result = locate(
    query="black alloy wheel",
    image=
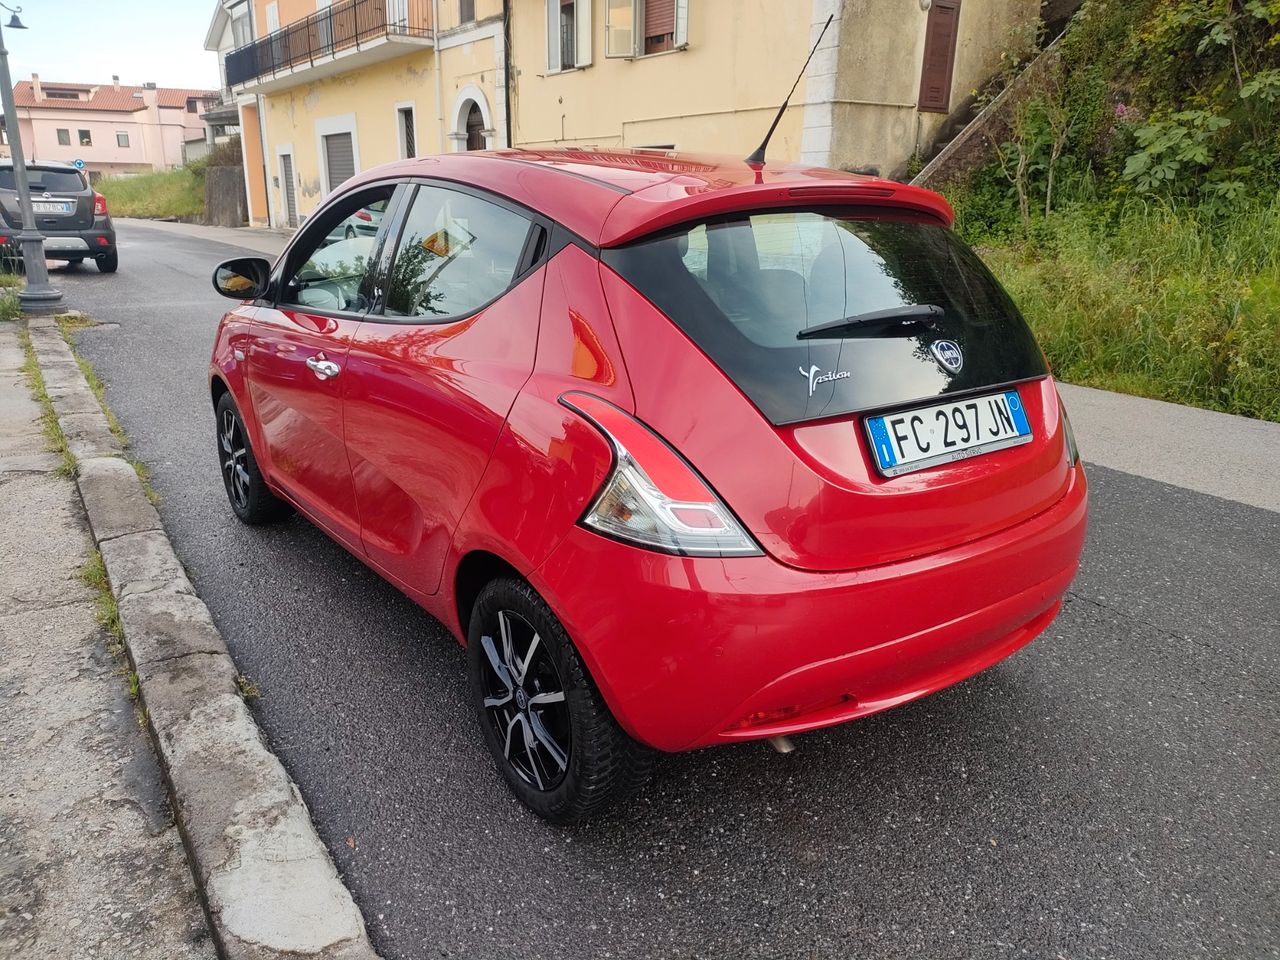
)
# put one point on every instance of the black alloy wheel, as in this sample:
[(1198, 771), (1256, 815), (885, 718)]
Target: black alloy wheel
[(251, 500), (544, 721)]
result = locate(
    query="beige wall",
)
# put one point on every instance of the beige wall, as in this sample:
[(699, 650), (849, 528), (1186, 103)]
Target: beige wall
[(719, 95)]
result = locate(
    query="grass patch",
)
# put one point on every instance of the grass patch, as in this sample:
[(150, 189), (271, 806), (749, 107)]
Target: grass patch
[(10, 281), (248, 689), (106, 611), (1159, 301), (173, 193), (10, 307), (53, 434), (144, 476)]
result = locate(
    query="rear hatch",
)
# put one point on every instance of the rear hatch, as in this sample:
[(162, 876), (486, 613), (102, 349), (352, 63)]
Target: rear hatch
[(908, 318), (59, 197)]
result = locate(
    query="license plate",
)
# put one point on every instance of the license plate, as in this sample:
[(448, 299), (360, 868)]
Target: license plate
[(946, 432), (51, 206)]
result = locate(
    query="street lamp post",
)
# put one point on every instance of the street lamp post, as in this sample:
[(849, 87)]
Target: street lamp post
[(38, 296)]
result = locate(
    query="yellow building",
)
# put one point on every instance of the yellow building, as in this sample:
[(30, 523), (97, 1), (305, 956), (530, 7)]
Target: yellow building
[(326, 88)]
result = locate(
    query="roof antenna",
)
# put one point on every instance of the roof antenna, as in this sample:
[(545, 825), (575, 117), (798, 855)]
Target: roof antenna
[(758, 156)]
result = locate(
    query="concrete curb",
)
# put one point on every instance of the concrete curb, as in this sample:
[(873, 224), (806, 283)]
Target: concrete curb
[(268, 883)]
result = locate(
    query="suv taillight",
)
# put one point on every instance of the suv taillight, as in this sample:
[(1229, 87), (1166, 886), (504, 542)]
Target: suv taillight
[(99, 205)]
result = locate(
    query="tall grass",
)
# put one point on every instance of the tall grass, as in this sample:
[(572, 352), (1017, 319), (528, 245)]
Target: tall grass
[(174, 193), (1168, 302)]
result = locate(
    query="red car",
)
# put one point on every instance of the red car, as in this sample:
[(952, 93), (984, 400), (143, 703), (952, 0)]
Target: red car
[(686, 450)]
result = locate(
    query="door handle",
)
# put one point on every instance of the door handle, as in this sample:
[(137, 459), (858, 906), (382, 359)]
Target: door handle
[(322, 368)]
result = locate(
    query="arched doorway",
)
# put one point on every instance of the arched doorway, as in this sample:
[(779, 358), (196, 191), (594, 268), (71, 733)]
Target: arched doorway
[(475, 128)]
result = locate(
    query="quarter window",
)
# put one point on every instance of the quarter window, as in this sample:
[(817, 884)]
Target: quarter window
[(457, 252)]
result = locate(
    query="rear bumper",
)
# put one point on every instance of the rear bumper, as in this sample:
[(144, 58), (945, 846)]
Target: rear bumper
[(93, 241), (690, 652)]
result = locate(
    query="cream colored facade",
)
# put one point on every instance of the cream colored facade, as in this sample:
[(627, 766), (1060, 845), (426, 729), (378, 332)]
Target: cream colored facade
[(714, 87)]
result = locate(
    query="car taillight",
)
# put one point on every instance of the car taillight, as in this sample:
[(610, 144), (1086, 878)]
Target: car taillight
[(99, 205), (364, 215), (653, 498)]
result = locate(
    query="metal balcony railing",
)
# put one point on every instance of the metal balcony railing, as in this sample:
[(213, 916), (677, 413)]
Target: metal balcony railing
[(345, 24)]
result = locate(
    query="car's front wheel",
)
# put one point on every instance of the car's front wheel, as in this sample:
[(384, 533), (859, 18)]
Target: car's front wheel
[(250, 498), (553, 738)]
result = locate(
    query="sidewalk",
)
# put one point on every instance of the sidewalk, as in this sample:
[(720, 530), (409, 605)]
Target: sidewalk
[(91, 864), (267, 242)]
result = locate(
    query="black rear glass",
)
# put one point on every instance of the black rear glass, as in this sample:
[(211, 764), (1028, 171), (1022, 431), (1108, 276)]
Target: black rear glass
[(744, 287), (44, 181)]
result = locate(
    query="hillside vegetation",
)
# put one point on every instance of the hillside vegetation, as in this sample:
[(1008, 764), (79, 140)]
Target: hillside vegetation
[(1134, 209)]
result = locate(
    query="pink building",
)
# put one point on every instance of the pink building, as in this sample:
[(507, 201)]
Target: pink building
[(114, 129)]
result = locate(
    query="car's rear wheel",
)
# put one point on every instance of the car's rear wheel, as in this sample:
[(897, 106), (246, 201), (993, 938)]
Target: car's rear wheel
[(73, 262), (553, 738), (108, 262), (251, 500)]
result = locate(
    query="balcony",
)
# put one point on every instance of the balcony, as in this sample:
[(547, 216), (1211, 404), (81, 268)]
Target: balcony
[(344, 36)]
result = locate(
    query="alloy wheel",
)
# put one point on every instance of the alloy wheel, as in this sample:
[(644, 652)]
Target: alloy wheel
[(524, 699), (234, 454)]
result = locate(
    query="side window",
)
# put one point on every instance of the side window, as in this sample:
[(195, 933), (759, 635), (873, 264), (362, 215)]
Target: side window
[(328, 276), (457, 252)]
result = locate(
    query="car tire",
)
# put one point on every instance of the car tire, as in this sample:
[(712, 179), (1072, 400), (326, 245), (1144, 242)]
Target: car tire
[(566, 759), (251, 499), (350, 234), (108, 262), (74, 262)]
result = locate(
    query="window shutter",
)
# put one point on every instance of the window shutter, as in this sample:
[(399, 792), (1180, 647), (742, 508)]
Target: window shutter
[(682, 23), (659, 17), (340, 159), (553, 35), (582, 26), (940, 37)]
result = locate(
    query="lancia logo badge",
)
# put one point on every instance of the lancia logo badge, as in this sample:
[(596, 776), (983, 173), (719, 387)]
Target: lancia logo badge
[(948, 355)]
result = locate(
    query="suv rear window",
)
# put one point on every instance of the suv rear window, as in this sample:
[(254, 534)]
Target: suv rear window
[(44, 181), (743, 287)]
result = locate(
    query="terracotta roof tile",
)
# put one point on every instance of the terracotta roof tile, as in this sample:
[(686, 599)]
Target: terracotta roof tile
[(105, 97)]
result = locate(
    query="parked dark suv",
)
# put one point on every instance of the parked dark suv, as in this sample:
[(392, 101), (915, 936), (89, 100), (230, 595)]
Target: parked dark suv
[(72, 215)]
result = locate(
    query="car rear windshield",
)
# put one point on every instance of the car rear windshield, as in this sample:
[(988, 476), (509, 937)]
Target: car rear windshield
[(44, 181), (744, 287)]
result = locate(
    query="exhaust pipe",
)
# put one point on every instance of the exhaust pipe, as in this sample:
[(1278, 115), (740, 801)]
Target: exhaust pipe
[(782, 744)]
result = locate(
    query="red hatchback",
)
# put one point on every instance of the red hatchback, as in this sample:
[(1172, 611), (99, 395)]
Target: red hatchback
[(686, 450)]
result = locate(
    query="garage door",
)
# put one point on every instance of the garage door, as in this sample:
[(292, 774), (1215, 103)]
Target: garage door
[(339, 158)]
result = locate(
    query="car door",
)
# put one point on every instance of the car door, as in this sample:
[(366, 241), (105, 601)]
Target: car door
[(433, 374), (298, 352)]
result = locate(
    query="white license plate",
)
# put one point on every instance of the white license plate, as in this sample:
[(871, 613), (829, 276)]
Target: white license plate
[(915, 439), (51, 206)]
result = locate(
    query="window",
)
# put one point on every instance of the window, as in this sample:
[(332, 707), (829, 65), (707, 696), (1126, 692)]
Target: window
[(86, 140), (60, 180), (467, 10), (331, 277), (475, 128), (457, 252), (634, 28), (64, 137), (568, 34), (61, 94), (408, 140), (241, 32), (122, 139), (743, 287), (273, 17)]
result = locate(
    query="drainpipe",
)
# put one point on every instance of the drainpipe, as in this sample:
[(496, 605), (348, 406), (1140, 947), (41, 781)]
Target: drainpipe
[(435, 49), (506, 67)]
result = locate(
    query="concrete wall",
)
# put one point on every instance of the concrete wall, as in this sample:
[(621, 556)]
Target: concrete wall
[(719, 95)]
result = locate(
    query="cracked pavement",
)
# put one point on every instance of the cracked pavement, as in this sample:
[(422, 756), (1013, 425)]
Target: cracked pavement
[(1108, 792)]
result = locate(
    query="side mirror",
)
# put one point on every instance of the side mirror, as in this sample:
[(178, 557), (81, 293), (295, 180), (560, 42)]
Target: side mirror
[(244, 278)]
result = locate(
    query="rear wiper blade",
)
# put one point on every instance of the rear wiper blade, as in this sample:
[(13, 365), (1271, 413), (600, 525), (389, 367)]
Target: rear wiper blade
[(911, 313)]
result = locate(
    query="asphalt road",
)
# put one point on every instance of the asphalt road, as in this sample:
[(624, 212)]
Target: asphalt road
[(1110, 791)]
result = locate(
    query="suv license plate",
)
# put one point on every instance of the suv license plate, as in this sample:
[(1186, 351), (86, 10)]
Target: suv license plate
[(50, 206), (946, 432)]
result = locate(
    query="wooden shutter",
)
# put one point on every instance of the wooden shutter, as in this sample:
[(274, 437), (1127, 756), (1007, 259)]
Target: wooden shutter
[(659, 25), (940, 37), (340, 158)]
